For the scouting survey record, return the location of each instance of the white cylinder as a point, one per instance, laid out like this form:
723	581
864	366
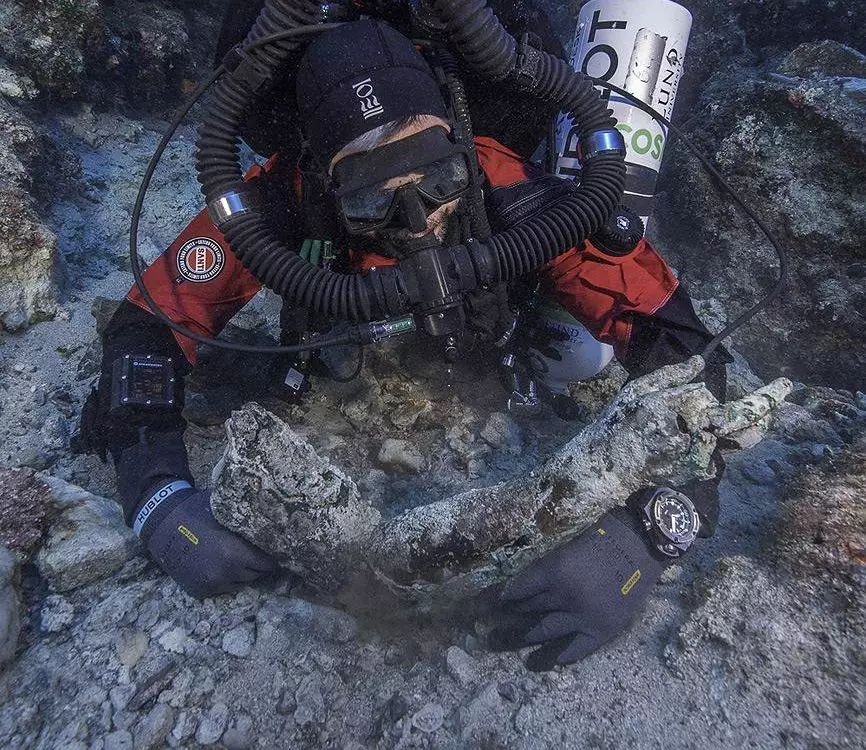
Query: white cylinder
640	46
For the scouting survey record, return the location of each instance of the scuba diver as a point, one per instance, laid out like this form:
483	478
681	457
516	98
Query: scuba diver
390	171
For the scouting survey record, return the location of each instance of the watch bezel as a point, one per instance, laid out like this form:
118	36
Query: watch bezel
670	544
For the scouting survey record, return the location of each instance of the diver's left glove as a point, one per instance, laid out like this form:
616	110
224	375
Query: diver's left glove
582	594
177	526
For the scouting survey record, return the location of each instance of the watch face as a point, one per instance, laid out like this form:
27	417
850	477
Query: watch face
673	517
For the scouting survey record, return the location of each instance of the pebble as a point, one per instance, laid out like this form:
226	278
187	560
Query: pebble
461	666
130	647
860	400
213	725
239	641
429	718
310	702
185	727
174	641
57	613
401	456
239	736
121	740
154	728
148	614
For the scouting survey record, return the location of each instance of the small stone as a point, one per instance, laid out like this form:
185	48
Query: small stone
429	718
154	728
185	727
860	400
130	647
502	433
174	641
148	615
57	613
483	717
461	666
213	724
310	702
759	473
239	736
239	641
508	690
401	456
121	740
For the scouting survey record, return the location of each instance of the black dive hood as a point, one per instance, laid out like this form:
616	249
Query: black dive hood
430	281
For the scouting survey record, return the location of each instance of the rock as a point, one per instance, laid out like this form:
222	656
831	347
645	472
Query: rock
57	614
212	725
121	740
461	666
485	718
154	728
824	58
399	456
10	621
284	618
88	542
131	646
174	641
30	264
15	86
786	145
429	719
239	736
187	721
303	504
310	703
239	641
25	510
502	433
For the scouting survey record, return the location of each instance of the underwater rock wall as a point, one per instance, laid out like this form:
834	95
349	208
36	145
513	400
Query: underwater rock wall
789	136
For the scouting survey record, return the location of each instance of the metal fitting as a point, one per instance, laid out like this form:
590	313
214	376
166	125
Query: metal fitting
228	206
609	141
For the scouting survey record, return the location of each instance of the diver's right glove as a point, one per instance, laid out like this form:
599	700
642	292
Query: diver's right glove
176	525
582	594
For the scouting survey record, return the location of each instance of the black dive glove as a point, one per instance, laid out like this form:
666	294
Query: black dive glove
176	525
582	594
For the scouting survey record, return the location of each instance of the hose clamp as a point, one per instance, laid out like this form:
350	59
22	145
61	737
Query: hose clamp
609	141
228	206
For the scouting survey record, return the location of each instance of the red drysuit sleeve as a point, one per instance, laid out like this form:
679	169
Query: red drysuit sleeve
600	290
198	282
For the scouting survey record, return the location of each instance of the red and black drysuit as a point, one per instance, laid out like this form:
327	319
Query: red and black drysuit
633	301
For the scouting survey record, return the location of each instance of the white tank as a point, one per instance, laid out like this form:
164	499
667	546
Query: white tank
640	46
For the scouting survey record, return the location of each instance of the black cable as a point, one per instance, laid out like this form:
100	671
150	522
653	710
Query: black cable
780	250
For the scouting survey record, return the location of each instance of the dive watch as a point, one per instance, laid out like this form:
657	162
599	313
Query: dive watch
669	517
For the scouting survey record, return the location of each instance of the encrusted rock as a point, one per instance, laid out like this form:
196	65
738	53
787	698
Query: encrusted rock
30	265
274	488
788	137
57	614
25	510
271	485
89	540
10	620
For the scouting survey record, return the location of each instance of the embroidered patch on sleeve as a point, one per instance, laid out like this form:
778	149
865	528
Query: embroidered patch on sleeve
200	259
